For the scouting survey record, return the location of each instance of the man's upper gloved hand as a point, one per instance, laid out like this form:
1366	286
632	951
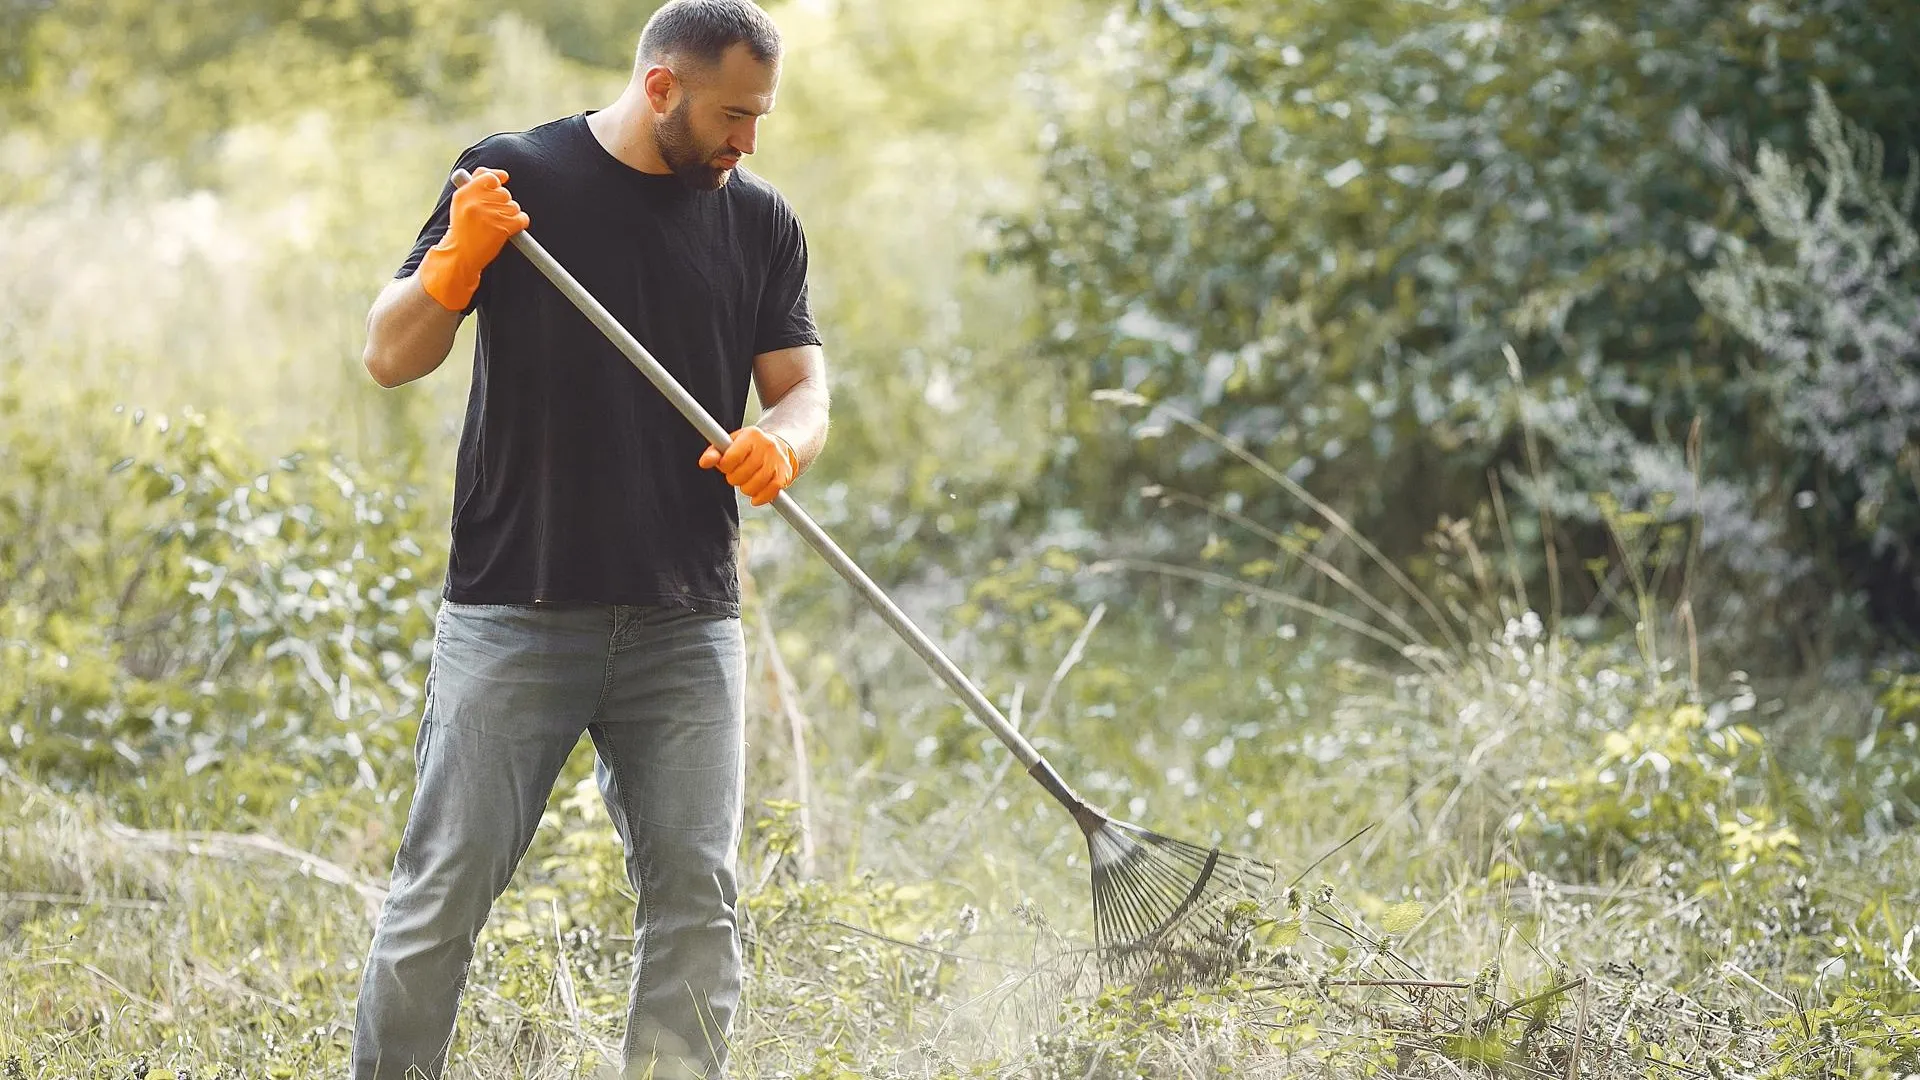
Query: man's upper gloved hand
759	463
483	217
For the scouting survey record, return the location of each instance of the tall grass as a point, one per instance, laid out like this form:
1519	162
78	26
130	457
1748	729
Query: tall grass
1525	852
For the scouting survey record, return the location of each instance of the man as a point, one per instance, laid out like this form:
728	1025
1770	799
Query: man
591	582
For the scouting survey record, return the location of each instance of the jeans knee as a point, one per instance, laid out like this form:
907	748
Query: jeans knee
688	869
443	901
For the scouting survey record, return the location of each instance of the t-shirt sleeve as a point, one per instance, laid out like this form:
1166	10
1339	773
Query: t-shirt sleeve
435	228
785	318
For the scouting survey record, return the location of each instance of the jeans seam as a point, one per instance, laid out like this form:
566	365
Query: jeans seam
606	676
404	856
642	984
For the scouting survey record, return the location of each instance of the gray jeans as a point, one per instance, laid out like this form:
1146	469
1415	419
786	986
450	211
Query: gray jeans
509	692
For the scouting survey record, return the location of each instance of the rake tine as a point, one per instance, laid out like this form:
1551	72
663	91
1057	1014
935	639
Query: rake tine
1137	907
1185	903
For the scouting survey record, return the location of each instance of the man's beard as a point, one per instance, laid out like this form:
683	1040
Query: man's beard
673	137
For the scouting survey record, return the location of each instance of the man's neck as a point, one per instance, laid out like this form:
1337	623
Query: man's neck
625	130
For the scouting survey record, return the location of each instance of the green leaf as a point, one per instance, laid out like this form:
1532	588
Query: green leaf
1401	918
1281	933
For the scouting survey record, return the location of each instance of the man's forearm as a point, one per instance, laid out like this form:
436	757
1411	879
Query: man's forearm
408	333
800	417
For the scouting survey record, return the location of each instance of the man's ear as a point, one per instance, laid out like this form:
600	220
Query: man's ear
660	84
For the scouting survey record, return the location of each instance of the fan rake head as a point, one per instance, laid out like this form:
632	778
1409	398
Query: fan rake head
1162	908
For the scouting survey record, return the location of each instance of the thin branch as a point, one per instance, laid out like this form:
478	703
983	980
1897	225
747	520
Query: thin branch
1069	661
1335	850
1208	577
75	900
1536	999
1546	517
1430	984
786	691
914	945
240	846
1328	513
1321	566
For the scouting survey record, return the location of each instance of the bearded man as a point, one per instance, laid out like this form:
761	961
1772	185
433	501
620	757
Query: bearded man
591	583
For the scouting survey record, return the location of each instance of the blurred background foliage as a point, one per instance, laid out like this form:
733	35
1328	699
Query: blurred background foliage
1316	227
1490	421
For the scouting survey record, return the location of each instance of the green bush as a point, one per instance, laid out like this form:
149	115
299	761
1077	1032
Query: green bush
171	597
1875	777
1318	233
1862	1037
1671	785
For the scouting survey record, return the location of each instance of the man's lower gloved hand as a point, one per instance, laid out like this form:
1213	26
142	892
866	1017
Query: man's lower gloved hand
480	222
759	463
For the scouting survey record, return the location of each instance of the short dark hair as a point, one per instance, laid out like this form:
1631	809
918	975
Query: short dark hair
703	30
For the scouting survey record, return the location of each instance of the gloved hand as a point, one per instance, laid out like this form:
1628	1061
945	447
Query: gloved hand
759	463
483	217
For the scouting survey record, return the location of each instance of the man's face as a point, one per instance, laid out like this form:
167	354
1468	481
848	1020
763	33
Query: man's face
716	120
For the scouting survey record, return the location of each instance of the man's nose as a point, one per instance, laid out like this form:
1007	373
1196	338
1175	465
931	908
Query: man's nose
744	141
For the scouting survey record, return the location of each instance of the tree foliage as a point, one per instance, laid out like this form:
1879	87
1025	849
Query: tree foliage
1316	227
1828	294
170	80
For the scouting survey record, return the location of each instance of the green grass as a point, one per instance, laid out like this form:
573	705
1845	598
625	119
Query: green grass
1433	945
1524	852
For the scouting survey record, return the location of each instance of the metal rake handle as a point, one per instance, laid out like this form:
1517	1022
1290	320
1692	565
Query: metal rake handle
809	530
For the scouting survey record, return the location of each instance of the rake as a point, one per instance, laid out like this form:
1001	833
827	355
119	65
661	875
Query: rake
1152	894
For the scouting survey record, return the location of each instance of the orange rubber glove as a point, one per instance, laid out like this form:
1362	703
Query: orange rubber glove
483	217
759	463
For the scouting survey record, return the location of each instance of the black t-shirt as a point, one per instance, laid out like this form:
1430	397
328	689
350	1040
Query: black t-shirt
576	479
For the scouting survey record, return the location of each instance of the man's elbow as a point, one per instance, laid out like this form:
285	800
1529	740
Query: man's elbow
377	367
380	363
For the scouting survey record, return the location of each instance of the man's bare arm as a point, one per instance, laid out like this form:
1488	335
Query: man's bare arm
794	402
408	333
413	320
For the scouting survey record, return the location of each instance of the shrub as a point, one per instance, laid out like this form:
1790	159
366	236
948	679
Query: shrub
169	597
1673	784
